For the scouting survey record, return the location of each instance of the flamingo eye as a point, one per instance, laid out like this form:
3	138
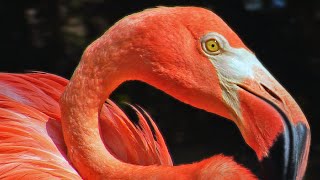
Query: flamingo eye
211	46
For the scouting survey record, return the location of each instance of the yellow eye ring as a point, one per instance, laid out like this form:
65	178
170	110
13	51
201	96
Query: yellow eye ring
212	46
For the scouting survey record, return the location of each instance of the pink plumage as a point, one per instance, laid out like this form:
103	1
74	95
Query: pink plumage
31	140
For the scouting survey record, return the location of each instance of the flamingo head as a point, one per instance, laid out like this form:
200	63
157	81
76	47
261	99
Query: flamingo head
194	56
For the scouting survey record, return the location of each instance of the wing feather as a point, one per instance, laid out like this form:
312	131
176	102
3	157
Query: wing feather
31	140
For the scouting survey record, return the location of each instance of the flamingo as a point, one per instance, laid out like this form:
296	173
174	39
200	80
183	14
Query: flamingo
51	128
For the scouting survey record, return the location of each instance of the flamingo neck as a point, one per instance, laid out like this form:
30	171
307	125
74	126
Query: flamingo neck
91	84
80	106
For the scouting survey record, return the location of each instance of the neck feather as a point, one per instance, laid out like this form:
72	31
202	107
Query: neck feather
80	106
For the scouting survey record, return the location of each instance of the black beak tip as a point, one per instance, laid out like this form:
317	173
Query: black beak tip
287	157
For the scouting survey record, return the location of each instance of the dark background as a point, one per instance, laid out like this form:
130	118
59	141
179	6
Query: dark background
50	35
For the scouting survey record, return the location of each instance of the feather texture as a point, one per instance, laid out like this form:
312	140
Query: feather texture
31	140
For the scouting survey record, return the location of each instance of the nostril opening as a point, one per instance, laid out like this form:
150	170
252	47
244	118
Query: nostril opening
271	92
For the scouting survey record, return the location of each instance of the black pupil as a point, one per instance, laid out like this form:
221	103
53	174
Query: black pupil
212	45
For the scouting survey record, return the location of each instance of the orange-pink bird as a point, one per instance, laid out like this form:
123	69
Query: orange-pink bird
54	129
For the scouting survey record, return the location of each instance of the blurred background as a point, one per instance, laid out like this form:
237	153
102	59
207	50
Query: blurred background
50	35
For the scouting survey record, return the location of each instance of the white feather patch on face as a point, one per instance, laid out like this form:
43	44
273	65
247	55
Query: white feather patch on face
233	65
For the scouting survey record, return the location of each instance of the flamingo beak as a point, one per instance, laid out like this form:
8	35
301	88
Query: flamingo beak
274	126
270	120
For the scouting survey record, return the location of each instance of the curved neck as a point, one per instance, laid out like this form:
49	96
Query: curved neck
93	81
80	106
